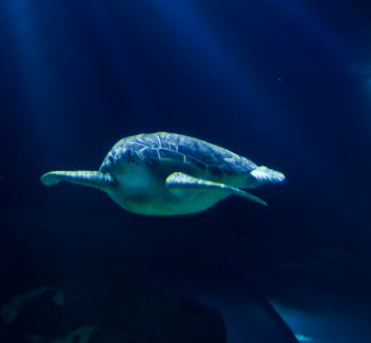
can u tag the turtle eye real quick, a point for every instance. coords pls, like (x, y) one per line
(110, 160)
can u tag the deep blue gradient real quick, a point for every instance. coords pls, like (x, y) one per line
(285, 83)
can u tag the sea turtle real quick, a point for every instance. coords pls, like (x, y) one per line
(169, 174)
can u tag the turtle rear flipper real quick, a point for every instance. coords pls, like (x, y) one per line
(262, 175)
(94, 179)
(184, 185)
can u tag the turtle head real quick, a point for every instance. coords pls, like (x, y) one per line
(120, 158)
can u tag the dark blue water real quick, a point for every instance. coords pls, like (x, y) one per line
(284, 83)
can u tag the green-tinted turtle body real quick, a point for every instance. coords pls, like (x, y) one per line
(167, 174)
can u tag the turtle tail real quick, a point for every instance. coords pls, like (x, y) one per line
(93, 179)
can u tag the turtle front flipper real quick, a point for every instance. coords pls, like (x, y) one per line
(94, 179)
(185, 185)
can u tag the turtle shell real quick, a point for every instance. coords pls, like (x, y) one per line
(159, 147)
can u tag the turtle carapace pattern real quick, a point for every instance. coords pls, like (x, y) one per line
(170, 174)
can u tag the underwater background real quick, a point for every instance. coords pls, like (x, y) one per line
(284, 83)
